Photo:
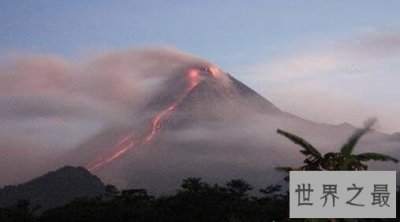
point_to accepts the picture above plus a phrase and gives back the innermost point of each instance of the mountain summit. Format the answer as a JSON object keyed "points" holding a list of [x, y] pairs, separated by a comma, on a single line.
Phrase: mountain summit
{"points": [[212, 96]]}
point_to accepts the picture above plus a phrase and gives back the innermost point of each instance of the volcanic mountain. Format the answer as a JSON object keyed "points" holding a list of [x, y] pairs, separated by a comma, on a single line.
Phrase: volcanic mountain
{"points": [[205, 123]]}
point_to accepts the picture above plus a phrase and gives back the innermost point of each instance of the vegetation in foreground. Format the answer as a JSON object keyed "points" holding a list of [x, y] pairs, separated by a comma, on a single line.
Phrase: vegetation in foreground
{"points": [[194, 201], [345, 159]]}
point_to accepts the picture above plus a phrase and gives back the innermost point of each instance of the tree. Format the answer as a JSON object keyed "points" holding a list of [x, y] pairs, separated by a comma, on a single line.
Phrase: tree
{"points": [[193, 184], [272, 192], [110, 191], [343, 160], [238, 188]]}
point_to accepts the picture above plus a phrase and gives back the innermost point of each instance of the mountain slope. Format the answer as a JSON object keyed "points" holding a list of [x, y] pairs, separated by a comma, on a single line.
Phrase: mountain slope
{"points": [[205, 123], [54, 189]]}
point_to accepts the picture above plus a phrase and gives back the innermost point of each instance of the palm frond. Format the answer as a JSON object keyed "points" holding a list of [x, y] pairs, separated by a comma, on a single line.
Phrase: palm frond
{"points": [[375, 156], [348, 147], [308, 148]]}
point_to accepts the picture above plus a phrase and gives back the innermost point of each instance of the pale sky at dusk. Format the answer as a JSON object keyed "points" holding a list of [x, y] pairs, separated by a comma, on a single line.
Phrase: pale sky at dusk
{"points": [[328, 61]]}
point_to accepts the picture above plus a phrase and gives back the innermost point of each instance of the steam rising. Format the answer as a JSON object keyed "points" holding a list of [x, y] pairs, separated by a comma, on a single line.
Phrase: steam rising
{"points": [[59, 104]]}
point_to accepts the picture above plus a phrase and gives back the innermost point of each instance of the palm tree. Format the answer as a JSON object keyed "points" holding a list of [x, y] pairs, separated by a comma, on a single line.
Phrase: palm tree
{"points": [[343, 160]]}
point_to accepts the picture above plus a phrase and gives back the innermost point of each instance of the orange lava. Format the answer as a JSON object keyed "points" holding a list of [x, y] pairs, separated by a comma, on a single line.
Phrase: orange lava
{"points": [[194, 78], [128, 142], [120, 148], [215, 71]]}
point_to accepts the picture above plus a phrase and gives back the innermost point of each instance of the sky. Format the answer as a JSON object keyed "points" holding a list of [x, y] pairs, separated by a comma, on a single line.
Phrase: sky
{"points": [[328, 61]]}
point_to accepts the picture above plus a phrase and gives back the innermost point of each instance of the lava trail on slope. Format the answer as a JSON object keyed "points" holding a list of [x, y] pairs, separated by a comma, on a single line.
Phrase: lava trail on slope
{"points": [[129, 142]]}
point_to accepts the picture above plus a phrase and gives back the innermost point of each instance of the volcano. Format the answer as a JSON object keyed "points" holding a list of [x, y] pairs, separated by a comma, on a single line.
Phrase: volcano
{"points": [[195, 96], [202, 123]]}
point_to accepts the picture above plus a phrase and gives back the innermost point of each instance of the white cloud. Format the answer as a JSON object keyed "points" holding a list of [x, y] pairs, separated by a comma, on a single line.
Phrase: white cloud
{"points": [[295, 67], [348, 81], [314, 101]]}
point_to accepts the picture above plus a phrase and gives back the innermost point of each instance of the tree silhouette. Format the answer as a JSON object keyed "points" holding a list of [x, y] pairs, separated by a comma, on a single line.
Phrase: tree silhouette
{"points": [[343, 160], [238, 188]]}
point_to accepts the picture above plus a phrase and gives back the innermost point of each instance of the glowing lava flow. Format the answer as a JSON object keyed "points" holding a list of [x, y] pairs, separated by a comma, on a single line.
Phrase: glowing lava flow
{"points": [[126, 143], [215, 71]]}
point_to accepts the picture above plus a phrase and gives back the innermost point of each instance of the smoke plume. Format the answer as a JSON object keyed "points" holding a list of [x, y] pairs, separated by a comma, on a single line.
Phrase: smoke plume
{"points": [[49, 105]]}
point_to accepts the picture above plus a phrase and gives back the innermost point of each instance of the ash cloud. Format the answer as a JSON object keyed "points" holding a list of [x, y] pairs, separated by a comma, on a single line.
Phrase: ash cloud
{"points": [[49, 105]]}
